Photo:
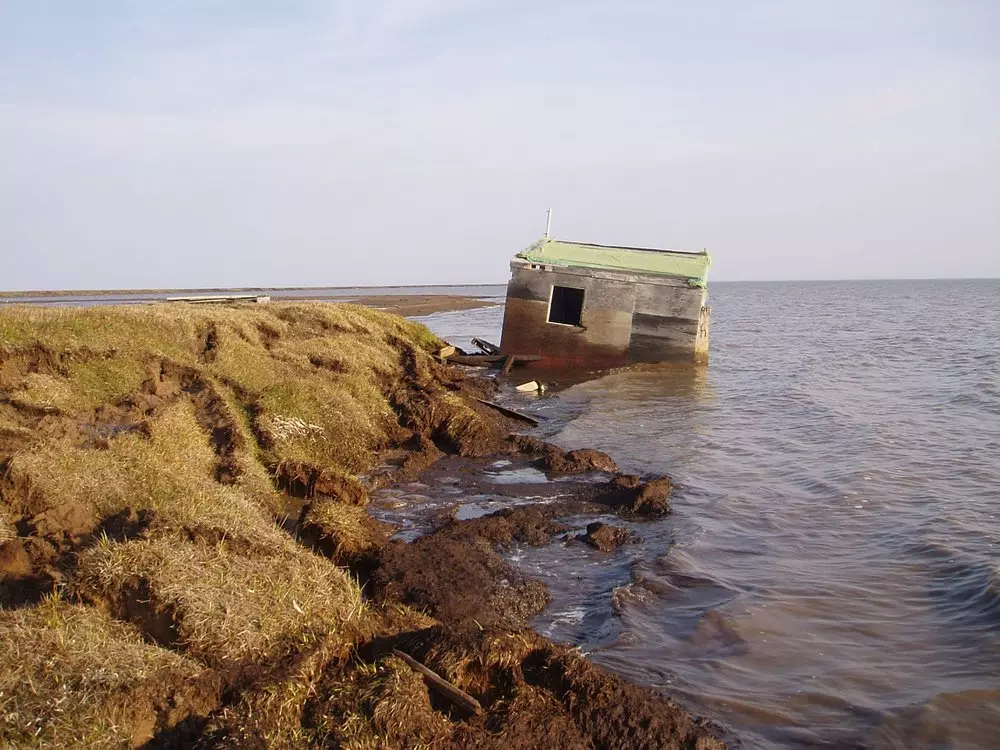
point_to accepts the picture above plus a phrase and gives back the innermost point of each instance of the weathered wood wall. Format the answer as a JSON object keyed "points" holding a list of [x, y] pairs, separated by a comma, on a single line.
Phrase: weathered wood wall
{"points": [[665, 320], [626, 317], [606, 320]]}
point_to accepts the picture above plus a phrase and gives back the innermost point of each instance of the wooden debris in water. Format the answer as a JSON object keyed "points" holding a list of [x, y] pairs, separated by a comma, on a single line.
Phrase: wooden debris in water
{"points": [[530, 387], [486, 346], [476, 360]]}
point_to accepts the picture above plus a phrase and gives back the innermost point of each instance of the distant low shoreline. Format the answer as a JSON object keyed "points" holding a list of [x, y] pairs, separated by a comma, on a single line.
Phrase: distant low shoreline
{"points": [[416, 305], [411, 304], [219, 290]]}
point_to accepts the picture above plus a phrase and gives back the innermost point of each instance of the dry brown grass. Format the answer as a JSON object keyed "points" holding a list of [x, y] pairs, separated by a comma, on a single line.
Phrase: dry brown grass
{"points": [[72, 677], [348, 529], [7, 530]]}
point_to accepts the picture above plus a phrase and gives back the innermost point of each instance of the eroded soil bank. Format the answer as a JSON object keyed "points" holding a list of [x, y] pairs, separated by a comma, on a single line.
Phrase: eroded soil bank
{"points": [[186, 556]]}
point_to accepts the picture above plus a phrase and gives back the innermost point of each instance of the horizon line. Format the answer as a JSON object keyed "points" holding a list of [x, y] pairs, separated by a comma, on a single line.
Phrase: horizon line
{"points": [[19, 293]]}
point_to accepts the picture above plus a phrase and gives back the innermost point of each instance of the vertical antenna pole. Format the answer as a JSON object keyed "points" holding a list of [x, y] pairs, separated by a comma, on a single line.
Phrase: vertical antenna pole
{"points": [[548, 222]]}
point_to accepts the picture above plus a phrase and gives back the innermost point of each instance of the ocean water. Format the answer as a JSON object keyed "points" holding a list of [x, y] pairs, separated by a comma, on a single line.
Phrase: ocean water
{"points": [[830, 574]]}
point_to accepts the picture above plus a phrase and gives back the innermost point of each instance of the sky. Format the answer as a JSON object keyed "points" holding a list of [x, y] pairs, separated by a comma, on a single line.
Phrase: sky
{"points": [[204, 143]]}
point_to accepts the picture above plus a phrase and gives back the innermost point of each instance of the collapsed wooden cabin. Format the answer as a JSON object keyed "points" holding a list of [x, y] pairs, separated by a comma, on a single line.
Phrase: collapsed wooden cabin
{"points": [[580, 304]]}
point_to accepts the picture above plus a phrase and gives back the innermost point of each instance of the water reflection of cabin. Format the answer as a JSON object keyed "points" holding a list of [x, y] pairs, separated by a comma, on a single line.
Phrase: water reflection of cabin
{"points": [[581, 304]]}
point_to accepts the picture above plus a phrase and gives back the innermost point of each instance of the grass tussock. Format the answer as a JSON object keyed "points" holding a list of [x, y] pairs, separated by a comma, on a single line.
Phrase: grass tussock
{"points": [[346, 531], [73, 677], [169, 472], [225, 606]]}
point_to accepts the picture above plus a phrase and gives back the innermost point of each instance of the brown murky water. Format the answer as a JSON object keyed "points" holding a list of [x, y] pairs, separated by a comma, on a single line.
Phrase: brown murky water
{"points": [[830, 575]]}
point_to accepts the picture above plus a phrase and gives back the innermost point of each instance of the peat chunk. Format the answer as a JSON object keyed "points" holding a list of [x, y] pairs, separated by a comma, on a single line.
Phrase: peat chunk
{"points": [[604, 537], [14, 560], [68, 520], [629, 494], [458, 582], [306, 481], [614, 714], [578, 461], [555, 460], [532, 525]]}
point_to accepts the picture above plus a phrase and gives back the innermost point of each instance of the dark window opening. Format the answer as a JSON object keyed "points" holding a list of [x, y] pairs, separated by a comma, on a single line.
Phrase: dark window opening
{"points": [[566, 306]]}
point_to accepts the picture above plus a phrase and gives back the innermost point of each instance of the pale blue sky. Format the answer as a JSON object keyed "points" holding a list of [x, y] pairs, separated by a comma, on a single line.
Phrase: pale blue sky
{"points": [[227, 142]]}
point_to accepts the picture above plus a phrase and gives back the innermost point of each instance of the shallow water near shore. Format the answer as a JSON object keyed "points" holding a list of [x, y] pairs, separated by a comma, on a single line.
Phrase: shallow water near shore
{"points": [[830, 575]]}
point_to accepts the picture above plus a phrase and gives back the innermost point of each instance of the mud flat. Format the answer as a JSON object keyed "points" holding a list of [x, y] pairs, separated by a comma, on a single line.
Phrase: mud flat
{"points": [[186, 556], [412, 305]]}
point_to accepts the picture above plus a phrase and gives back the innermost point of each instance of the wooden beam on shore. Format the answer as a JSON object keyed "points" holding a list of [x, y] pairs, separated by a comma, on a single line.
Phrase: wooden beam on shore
{"points": [[453, 694], [476, 360], [512, 413], [489, 360]]}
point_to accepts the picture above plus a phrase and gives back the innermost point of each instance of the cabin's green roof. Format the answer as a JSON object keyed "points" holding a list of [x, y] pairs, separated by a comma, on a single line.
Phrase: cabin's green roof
{"points": [[690, 266]]}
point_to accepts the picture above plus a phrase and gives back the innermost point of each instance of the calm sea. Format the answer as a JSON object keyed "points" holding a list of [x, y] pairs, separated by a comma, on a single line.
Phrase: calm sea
{"points": [[830, 575]]}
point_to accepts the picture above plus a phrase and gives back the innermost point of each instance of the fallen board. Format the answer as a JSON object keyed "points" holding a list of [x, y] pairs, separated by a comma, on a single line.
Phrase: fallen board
{"points": [[489, 360], [486, 346], [454, 694], [476, 360], [510, 412]]}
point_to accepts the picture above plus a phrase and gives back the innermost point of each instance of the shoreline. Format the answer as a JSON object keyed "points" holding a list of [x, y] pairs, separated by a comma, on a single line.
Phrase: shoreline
{"points": [[185, 495]]}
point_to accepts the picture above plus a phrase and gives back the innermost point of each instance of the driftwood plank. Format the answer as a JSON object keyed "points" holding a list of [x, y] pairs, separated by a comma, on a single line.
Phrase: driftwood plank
{"points": [[476, 360], [459, 697], [510, 412]]}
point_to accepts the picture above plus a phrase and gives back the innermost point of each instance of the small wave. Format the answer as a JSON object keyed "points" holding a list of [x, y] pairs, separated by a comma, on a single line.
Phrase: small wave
{"points": [[965, 719], [966, 589]]}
